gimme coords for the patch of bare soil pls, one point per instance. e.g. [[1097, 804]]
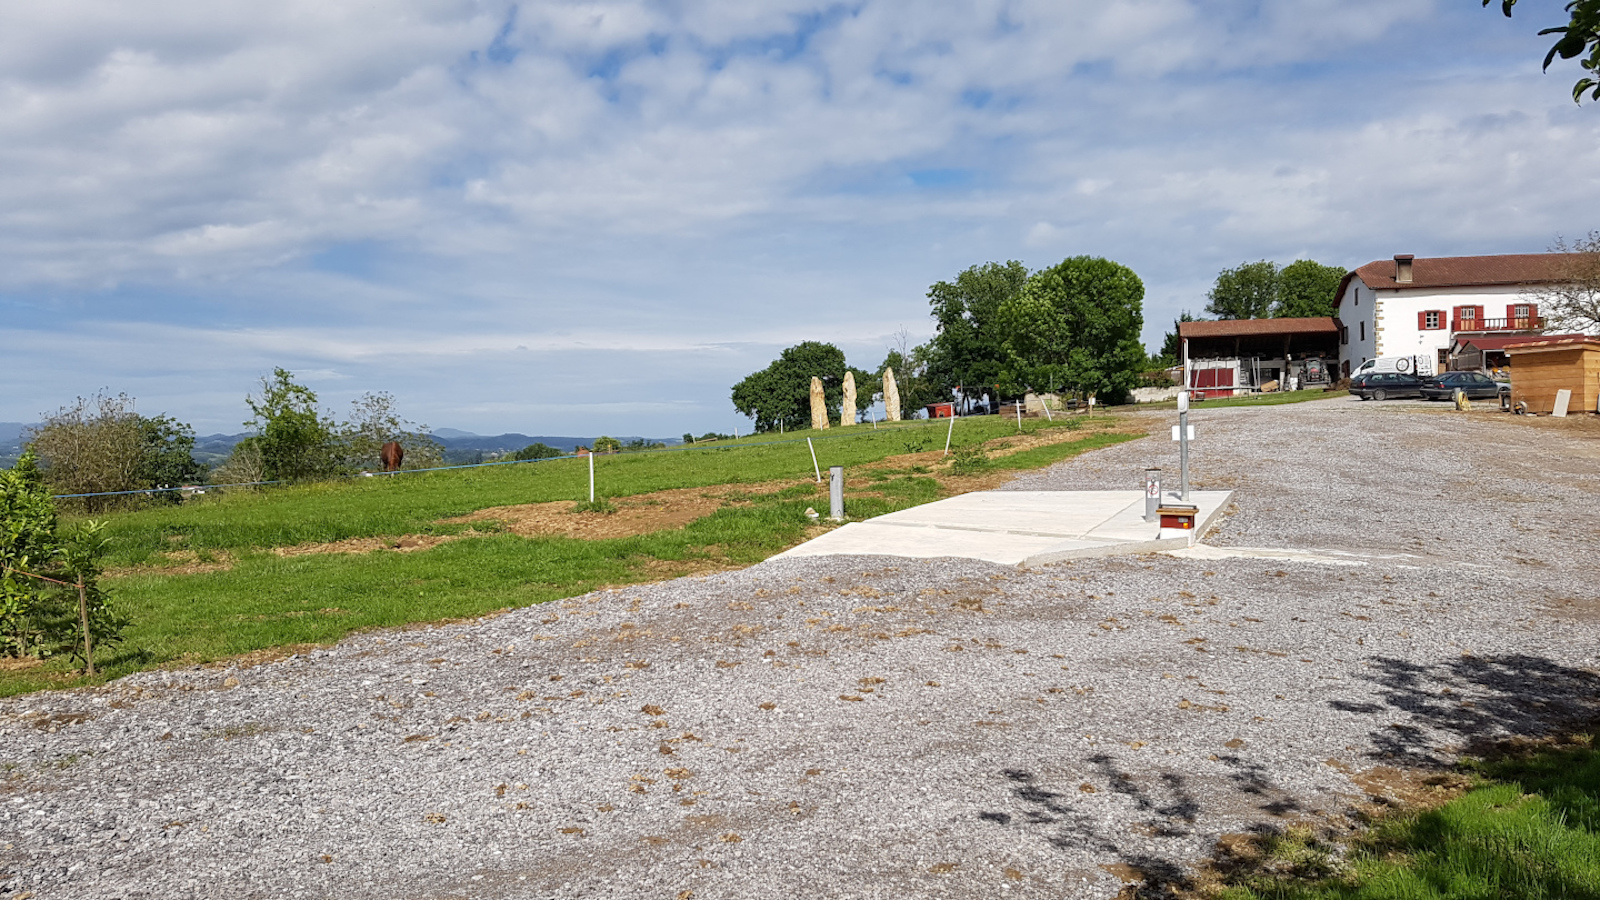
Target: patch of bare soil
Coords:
[[178, 562], [409, 543], [639, 514]]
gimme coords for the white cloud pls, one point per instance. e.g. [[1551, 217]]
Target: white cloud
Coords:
[[693, 185]]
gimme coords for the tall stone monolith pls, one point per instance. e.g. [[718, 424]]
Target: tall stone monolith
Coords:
[[847, 412], [819, 405], [891, 397]]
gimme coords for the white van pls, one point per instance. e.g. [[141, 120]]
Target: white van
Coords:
[[1421, 366]]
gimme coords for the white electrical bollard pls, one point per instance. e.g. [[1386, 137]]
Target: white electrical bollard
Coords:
[[836, 493], [1183, 445], [1152, 495]]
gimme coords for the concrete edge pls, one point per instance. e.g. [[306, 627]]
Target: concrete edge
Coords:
[[1118, 548]]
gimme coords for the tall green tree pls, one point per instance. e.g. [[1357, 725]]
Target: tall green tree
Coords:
[[1579, 37], [1246, 291], [167, 456], [781, 393], [1172, 342], [1077, 324], [1306, 288], [294, 439], [969, 347]]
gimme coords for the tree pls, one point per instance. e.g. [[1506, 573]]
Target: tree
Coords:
[[1172, 343], [607, 444], [538, 450], [92, 446], [1077, 325], [1244, 292], [99, 445], [1574, 305], [166, 456], [1306, 288], [1260, 290], [969, 347], [1580, 35], [294, 439], [373, 423], [782, 391]]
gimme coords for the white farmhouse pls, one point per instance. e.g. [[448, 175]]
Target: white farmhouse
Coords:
[[1418, 307]]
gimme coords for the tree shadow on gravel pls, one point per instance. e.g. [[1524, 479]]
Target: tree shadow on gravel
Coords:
[[1477, 700], [1489, 699], [1164, 808]]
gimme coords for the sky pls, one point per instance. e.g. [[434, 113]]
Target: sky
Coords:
[[596, 217]]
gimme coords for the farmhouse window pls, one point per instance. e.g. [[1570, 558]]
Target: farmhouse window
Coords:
[[1363, 326], [1432, 320], [1521, 314]]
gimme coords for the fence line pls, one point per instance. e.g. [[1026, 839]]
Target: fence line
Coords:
[[512, 462]]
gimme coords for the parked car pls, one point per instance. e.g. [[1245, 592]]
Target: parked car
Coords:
[[1386, 385], [1476, 385]]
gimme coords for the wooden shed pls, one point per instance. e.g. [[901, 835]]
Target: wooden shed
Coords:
[[1540, 368]]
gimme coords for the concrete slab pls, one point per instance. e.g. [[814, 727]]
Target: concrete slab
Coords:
[[1018, 528]]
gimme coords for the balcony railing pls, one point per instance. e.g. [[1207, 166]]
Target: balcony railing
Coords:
[[1528, 323]]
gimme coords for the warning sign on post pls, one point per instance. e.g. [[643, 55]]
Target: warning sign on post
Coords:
[[1175, 433]]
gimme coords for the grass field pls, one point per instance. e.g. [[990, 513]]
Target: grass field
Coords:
[[1528, 828], [202, 581]]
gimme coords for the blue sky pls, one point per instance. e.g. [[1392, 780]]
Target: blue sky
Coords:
[[576, 218]]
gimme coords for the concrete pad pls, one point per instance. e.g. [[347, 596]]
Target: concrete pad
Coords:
[[1018, 528]]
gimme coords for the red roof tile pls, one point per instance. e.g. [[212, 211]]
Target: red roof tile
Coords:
[[1463, 271], [1226, 328]]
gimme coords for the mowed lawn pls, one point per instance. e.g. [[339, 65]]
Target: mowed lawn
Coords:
[[201, 581]]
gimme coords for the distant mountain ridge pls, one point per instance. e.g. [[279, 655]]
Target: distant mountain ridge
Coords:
[[459, 446]]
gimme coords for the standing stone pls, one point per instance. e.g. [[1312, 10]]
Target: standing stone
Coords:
[[891, 397], [847, 412], [819, 406]]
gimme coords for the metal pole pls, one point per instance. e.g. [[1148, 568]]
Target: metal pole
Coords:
[[949, 434], [1183, 445], [83, 617], [836, 493], [591, 474], [1152, 494], [814, 460], [1019, 415]]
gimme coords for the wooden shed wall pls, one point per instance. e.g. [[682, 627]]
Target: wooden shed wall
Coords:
[[1535, 378]]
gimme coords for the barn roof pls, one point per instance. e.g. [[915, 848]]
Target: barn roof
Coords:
[[1227, 328]]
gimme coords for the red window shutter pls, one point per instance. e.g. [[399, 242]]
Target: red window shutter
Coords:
[[1511, 310], [1422, 321], [1533, 310], [1478, 311]]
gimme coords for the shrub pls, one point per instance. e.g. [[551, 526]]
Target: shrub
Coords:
[[41, 617]]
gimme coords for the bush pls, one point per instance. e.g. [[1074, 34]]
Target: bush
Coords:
[[37, 617], [100, 445], [604, 444], [969, 461]]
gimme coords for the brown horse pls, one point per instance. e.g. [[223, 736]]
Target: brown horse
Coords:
[[392, 454]]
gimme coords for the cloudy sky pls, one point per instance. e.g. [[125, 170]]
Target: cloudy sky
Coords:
[[574, 218]]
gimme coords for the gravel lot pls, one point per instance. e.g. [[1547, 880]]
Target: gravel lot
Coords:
[[871, 727]]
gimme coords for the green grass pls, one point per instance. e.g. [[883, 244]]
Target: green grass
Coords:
[[263, 601], [413, 504], [1530, 828]]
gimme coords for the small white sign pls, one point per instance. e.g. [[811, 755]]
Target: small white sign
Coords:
[[1563, 398], [1175, 432]]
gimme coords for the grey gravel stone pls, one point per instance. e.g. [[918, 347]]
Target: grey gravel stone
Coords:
[[868, 727]]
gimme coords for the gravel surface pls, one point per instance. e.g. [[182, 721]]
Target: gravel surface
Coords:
[[870, 727]]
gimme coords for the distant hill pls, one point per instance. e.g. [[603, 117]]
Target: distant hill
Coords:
[[11, 441]]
